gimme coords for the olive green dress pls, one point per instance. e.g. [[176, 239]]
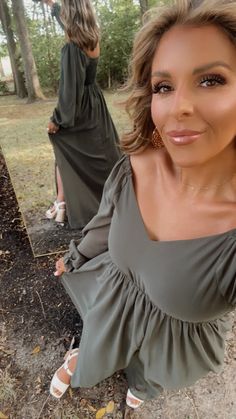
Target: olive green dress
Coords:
[[86, 145], [157, 309]]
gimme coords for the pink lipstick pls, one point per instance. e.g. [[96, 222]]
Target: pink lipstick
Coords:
[[183, 137]]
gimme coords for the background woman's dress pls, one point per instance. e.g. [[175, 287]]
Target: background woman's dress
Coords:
[[86, 145]]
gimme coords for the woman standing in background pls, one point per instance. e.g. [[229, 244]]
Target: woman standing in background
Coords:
[[81, 129]]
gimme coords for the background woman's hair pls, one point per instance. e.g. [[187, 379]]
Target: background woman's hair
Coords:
[[156, 22], [79, 19]]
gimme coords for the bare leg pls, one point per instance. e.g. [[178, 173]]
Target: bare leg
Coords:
[[58, 210], [60, 191]]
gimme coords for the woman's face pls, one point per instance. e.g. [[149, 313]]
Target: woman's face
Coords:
[[194, 93]]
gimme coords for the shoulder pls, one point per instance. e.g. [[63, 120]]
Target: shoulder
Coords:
[[121, 170], [148, 162], [118, 177]]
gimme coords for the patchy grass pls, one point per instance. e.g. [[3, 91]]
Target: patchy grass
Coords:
[[7, 387]]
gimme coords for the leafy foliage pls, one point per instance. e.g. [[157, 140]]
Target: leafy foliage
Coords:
[[120, 20], [46, 47]]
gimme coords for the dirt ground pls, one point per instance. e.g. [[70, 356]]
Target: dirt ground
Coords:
[[37, 322]]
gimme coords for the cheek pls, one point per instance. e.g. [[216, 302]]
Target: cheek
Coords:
[[223, 113], [158, 112]]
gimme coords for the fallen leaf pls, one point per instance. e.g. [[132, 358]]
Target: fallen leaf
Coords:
[[36, 350], [100, 413], [91, 408], [2, 416], [71, 393], [7, 351], [110, 407]]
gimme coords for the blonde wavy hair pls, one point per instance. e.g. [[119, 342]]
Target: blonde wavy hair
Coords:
[[156, 22], [81, 26]]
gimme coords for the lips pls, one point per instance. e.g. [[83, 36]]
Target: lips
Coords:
[[183, 137]]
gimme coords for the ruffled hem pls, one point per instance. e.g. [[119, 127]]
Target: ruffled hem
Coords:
[[121, 321]]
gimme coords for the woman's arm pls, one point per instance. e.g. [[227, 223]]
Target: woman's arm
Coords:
[[95, 234], [70, 96]]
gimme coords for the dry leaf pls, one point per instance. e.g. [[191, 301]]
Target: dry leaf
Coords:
[[2, 416], [100, 413], [91, 408], [7, 351], [36, 350], [71, 393], [83, 402], [110, 407]]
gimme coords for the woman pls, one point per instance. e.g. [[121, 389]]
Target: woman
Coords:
[[81, 130], [154, 275]]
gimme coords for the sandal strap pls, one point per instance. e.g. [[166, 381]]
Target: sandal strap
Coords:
[[59, 205], [131, 399], [71, 355], [58, 384]]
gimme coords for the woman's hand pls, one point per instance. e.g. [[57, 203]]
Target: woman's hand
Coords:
[[52, 128], [60, 267]]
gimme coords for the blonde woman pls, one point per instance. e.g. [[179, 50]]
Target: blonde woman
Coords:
[[154, 276], [81, 130]]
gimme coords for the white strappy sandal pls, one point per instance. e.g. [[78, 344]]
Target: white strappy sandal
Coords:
[[57, 211], [57, 387], [133, 401]]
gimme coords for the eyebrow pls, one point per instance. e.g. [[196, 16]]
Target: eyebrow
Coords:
[[196, 70], [210, 65]]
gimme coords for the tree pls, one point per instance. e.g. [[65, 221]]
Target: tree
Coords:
[[5, 18], [143, 6], [119, 19], [31, 76]]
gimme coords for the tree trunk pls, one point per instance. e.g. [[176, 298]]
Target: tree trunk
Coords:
[[31, 76], [18, 76], [143, 6]]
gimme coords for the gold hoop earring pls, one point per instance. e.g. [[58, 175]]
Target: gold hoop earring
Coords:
[[156, 139]]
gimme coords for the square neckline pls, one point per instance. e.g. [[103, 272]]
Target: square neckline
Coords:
[[157, 241]]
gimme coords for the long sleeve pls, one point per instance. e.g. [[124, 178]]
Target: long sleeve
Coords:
[[95, 234], [73, 64], [55, 12]]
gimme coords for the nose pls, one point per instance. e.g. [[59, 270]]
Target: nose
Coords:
[[182, 105]]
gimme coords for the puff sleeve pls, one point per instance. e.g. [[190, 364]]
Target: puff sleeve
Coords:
[[55, 12], [71, 86]]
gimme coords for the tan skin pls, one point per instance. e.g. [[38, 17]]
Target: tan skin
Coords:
[[177, 185], [201, 102]]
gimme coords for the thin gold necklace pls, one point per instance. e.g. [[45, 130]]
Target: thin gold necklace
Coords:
[[207, 188]]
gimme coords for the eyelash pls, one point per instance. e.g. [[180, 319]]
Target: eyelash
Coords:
[[217, 79]]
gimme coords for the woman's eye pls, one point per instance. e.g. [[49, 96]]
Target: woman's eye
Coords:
[[161, 88], [212, 80]]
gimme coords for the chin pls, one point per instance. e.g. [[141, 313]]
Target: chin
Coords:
[[187, 161]]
